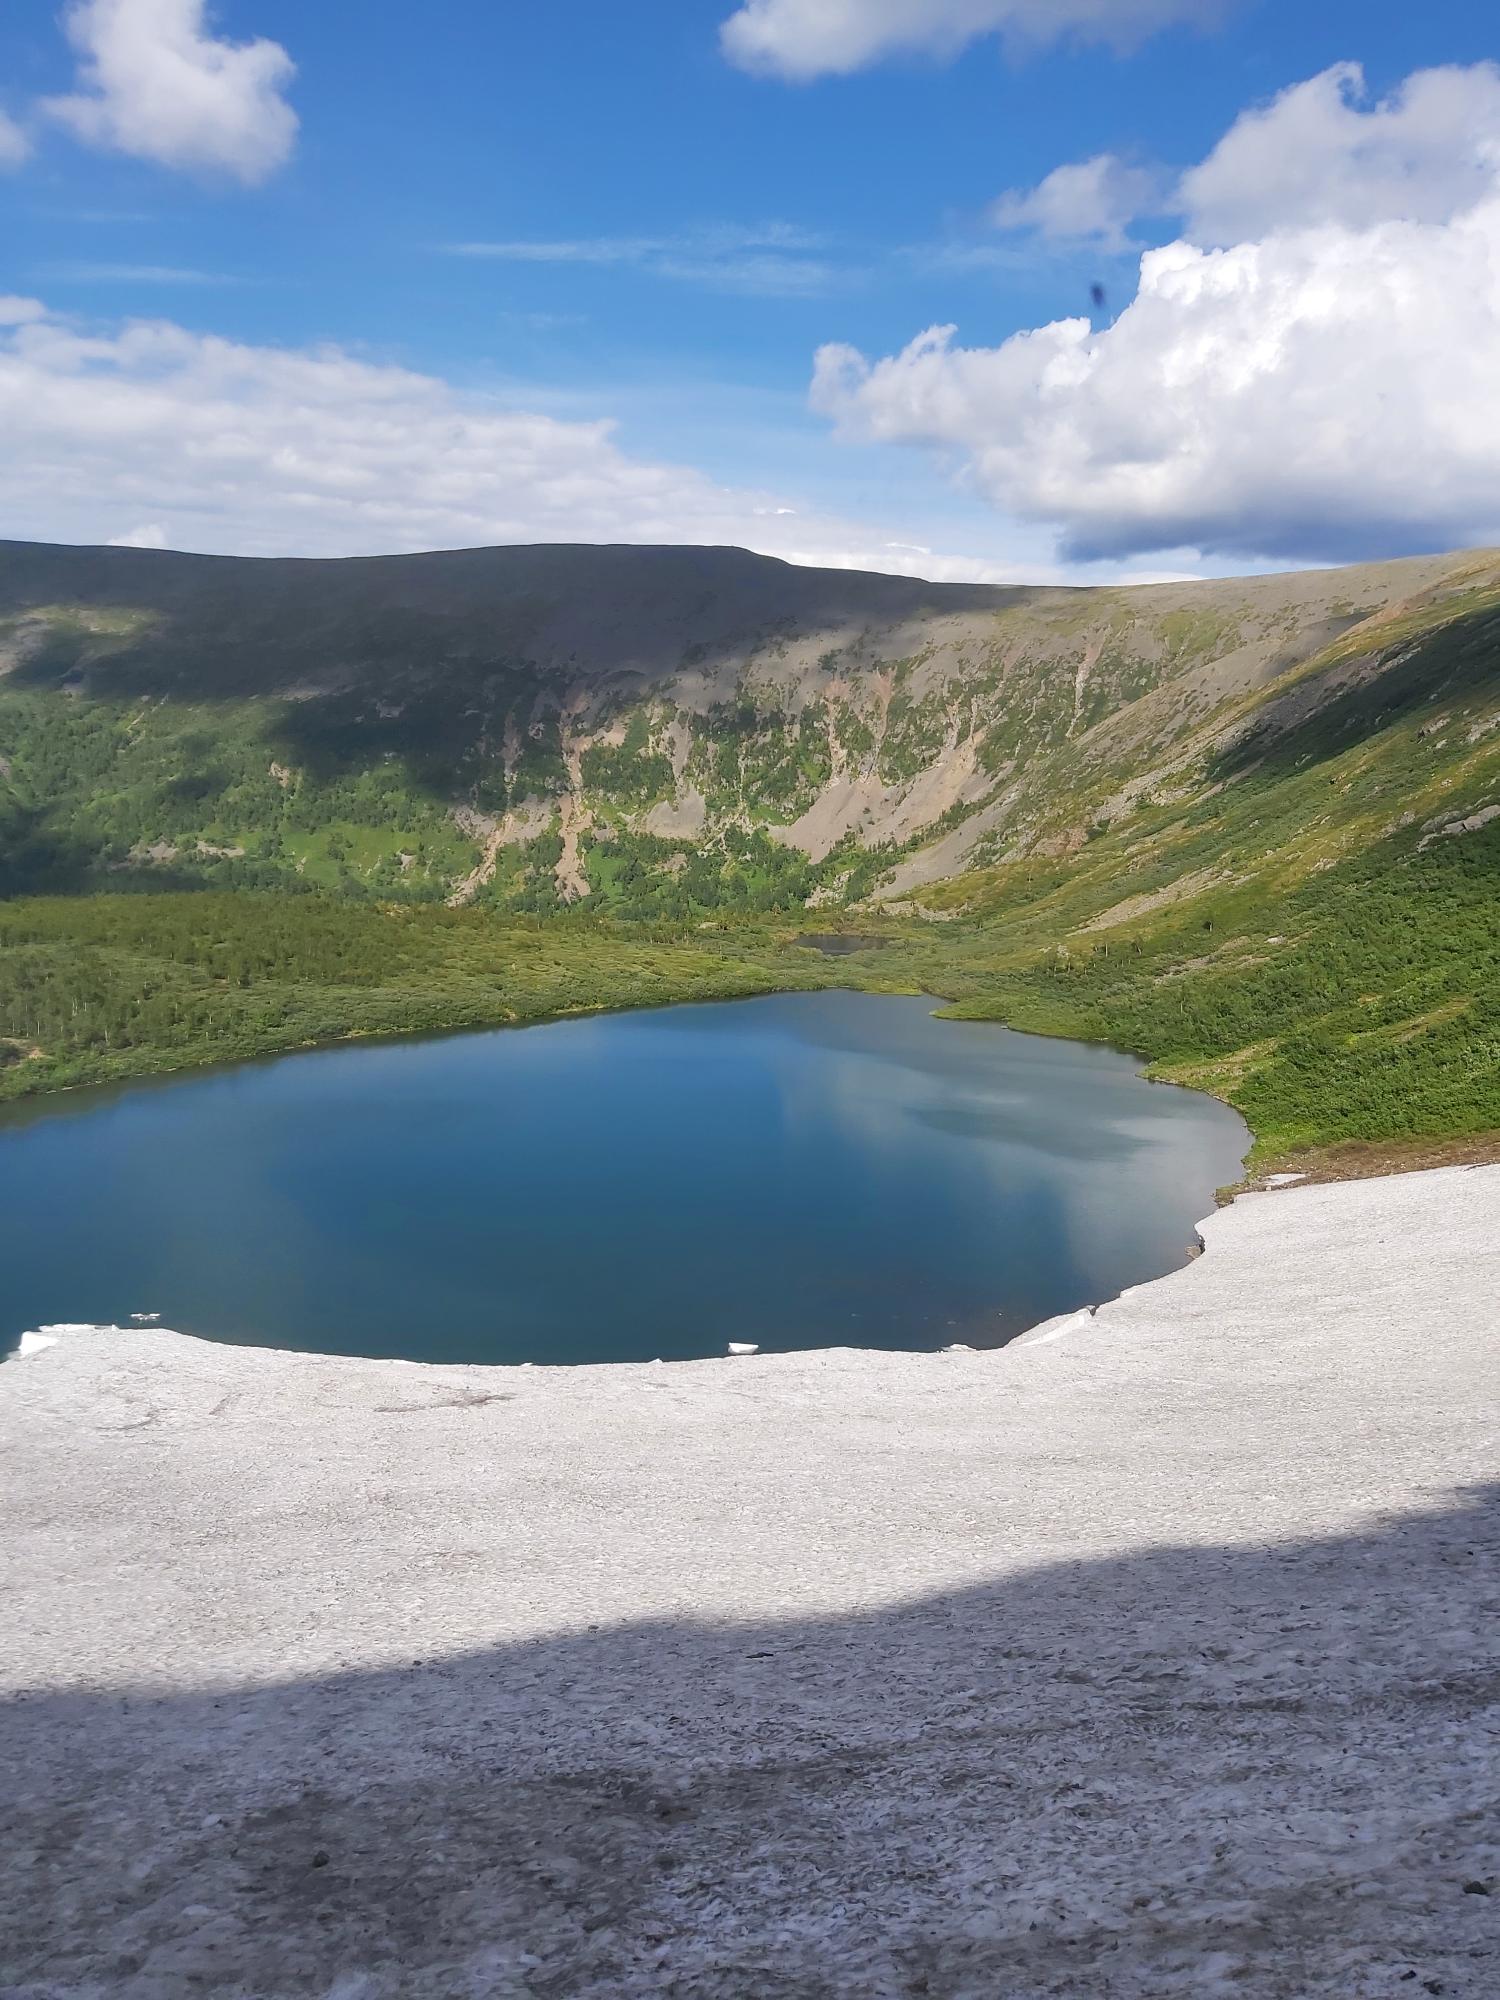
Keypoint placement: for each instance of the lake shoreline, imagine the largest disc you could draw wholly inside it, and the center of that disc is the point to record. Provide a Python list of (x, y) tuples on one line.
[(1316, 1161)]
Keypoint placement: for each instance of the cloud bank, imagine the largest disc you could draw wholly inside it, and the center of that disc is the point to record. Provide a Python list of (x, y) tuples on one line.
[(1324, 387), (149, 435)]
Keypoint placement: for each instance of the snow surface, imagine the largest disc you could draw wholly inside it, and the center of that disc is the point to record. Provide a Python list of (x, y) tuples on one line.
[(1153, 1655)]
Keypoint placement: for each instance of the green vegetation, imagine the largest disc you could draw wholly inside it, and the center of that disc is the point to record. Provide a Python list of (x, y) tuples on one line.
[(1362, 1005), (629, 771), (637, 879), (200, 796), (755, 759), (97, 987)]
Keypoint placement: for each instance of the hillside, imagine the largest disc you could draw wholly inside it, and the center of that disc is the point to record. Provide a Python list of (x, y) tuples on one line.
[(1251, 828), (665, 731)]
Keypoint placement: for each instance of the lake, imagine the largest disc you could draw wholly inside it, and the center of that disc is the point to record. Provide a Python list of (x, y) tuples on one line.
[(810, 1170)]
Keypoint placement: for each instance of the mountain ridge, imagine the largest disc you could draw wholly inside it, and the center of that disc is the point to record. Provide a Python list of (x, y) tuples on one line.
[(532, 726)]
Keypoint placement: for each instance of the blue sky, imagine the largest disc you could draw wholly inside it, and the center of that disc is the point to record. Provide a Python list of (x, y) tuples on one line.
[(587, 214)]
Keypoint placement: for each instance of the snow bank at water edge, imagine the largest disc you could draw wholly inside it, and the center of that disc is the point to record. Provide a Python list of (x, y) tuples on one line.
[(1157, 1659)]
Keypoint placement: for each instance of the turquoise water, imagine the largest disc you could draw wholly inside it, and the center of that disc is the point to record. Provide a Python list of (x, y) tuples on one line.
[(813, 1170)]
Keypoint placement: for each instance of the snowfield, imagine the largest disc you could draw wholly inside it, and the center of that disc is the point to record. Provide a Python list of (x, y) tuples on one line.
[(1153, 1655)]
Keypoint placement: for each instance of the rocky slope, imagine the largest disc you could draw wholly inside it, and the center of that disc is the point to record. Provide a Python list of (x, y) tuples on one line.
[(669, 731)]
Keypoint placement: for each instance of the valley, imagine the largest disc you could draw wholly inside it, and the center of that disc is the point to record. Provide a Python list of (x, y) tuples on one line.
[(1249, 830)]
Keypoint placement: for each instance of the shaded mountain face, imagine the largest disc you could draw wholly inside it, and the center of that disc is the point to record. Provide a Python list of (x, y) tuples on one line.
[(672, 733)]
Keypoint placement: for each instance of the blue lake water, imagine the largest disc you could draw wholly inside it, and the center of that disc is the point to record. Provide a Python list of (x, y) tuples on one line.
[(831, 1169)]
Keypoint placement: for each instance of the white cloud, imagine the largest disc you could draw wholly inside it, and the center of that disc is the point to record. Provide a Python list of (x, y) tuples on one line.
[(84, 273), (14, 144), (1090, 201), (1324, 390), (803, 39), (157, 84), (149, 535), (1320, 153), (540, 322), (769, 261), (216, 445)]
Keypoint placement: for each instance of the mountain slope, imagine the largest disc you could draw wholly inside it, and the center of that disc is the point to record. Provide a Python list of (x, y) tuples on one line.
[(672, 732)]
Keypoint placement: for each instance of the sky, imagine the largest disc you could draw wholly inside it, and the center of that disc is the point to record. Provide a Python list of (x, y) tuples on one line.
[(1040, 290)]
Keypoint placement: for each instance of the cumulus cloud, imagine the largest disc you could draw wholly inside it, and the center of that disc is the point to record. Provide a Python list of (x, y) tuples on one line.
[(1326, 389), (803, 39), (1087, 202), (228, 447), (14, 144), (1318, 152), (1321, 153), (157, 84)]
